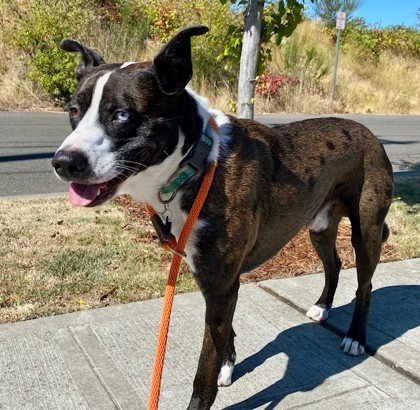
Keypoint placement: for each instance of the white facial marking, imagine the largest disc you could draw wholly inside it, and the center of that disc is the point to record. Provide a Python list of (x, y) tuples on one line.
[(90, 139), (92, 114)]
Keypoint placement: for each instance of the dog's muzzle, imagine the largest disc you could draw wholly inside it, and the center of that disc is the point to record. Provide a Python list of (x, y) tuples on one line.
[(70, 165), (73, 166)]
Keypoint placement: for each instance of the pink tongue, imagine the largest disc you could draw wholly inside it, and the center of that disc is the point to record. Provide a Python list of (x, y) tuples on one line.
[(83, 195)]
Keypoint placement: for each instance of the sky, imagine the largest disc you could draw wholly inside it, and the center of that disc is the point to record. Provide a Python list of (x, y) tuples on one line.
[(385, 13)]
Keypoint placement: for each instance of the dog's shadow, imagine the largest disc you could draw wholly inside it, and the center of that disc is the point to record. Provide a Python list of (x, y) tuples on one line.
[(308, 347)]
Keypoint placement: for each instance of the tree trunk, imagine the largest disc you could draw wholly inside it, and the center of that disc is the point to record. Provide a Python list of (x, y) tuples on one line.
[(249, 58)]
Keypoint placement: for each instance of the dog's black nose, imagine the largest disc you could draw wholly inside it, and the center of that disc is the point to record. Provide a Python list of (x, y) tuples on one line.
[(70, 165)]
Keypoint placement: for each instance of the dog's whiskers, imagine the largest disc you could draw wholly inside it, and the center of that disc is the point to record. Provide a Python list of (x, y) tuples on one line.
[(126, 168), (133, 164)]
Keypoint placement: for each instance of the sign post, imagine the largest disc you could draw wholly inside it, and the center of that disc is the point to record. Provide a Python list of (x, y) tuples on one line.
[(340, 25)]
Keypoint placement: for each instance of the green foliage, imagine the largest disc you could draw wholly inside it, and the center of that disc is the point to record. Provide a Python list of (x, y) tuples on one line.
[(38, 28), (168, 17), (300, 57), (371, 42), (124, 27), (280, 19)]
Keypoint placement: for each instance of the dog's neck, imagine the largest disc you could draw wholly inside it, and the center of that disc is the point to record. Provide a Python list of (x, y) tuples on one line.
[(145, 186)]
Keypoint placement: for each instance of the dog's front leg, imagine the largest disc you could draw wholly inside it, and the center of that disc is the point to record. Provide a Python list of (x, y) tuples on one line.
[(218, 329)]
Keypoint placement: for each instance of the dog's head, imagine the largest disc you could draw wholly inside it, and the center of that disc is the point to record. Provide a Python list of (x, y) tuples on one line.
[(126, 118)]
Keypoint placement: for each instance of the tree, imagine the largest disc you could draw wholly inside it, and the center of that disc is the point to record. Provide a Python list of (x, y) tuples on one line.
[(249, 58), (326, 10), (264, 21)]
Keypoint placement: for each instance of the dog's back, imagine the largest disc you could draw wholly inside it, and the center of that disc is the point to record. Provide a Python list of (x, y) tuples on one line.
[(292, 171)]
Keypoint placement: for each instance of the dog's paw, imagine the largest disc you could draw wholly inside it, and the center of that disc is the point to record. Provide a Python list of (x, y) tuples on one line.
[(352, 347), (225, 376), (317, 313)]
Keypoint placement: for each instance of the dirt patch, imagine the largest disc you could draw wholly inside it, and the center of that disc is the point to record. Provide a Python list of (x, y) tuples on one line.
[(297, 258)]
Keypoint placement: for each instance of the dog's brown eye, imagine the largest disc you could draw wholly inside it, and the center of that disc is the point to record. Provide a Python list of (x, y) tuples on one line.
[(74, 112)]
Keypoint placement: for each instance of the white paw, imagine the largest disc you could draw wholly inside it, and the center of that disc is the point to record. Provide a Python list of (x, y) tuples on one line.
[(317, 313), (225, 376), (352, 347)]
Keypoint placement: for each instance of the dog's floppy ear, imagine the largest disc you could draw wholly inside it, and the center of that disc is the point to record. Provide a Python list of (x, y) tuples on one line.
[(90, 58), (173, 64)]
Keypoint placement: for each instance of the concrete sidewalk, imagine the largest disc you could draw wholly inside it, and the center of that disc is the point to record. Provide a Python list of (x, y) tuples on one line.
[(102, 359)]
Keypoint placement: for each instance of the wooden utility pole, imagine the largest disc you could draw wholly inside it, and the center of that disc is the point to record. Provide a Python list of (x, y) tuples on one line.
[(249, 58)]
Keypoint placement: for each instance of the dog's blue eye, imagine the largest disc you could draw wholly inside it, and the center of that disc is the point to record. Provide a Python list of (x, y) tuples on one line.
[(122, 116)]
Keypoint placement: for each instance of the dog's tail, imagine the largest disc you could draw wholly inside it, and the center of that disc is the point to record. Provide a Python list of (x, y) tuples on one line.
[(385, 233)]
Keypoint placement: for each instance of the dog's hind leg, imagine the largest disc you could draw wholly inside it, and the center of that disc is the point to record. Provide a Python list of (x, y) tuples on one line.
[(323, 240), (368, 232)]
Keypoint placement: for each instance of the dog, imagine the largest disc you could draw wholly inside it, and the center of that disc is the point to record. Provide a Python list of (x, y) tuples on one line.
[(136, 126)]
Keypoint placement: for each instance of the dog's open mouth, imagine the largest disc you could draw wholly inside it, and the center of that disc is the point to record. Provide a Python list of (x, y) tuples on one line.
[(95, 194)]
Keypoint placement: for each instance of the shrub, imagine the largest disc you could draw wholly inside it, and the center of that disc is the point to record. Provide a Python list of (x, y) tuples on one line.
[(168, 17), (37, 28), (370, 42), (301, 58), (124, 30), (270, 85)]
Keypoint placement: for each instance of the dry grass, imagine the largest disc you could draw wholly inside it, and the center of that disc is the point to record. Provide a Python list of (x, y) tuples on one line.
[(404, 218), (56, 259), (17, 92), (292, 101), (392, 86)]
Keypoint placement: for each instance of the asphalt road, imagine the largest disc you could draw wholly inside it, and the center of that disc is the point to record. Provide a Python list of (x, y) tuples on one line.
[(28, 141)]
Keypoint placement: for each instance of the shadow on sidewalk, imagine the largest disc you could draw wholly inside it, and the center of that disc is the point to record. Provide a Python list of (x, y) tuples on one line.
[(308, 347)]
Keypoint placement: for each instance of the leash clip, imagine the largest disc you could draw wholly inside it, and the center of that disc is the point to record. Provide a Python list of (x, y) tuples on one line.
[(166, 238), (163, 231)]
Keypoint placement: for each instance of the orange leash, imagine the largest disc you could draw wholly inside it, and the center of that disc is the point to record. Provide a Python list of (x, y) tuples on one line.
[(170, 287)]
